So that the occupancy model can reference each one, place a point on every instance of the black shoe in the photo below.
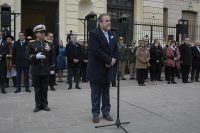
(52, 88)
(3, 92)
(55, 84)
(197, 80)
(168, 82)
(28, 90)
(77, 87)
(173, 82)
(123, 78)
(108, 117)
(160, 80)
(17, 90)
(36, 110)
(70, 87)
(47, 109)
(95, 119)
(132, 78)
(114, 84)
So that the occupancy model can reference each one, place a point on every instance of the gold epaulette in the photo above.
(49, 41)
(32, 41)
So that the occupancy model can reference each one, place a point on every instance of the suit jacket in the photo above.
(131, 54)
(18, 54)
(100, 53)
(73, 51)
(195, 57)
(122, 52)
(41, 67)
(4, 50)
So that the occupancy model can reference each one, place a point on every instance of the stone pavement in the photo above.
(159, 108)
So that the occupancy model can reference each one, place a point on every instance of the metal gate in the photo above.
(151, 31)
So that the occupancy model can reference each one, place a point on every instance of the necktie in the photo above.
(107, 37)
(21, 43)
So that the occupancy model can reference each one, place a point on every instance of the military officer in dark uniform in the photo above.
(3, 71)
(42, 59)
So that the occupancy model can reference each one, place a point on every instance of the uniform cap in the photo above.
(39, 28)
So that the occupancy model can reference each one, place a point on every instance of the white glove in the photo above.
(52, 72)
(40, 56)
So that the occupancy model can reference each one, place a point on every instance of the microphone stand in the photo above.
(117, 123)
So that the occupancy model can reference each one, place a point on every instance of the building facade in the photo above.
(61, 16)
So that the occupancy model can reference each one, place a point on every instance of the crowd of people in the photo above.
(177, 60)
(142, 59)
(43, 61)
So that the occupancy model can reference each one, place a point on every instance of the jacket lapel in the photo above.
(103, 36)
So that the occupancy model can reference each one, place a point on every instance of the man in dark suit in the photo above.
(69, 36)
(41, 54)
(4, 50)
(195, 62)
(102, 56)
(21, 62)
(73, 52)
(186, 59)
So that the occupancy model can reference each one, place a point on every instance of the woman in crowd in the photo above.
(156, 56)
(142, 62)
(11, 70)
(61, 65)
(172, 61)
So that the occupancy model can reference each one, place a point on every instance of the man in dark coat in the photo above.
(52, 77)
(186, 59)
(3, 71)
(102, 56)
(195, 62)
(122, 56)
(74, 58)
(21, 62)
(85, 61)
(131, 59)
(41, 54)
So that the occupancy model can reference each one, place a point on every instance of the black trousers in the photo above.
(167, 73)
(40, 84)
(73, 73)
(52, 80)
(84, 66)
(185, 70)
(172, 72)
(141, 75)
(195, 73)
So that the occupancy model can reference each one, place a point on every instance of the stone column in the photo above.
(62, 23)
(17, 9)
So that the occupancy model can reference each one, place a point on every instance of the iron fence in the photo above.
(163, 33)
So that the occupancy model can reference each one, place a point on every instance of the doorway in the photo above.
(36, 12)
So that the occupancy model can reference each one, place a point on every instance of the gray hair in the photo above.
(101, 16)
